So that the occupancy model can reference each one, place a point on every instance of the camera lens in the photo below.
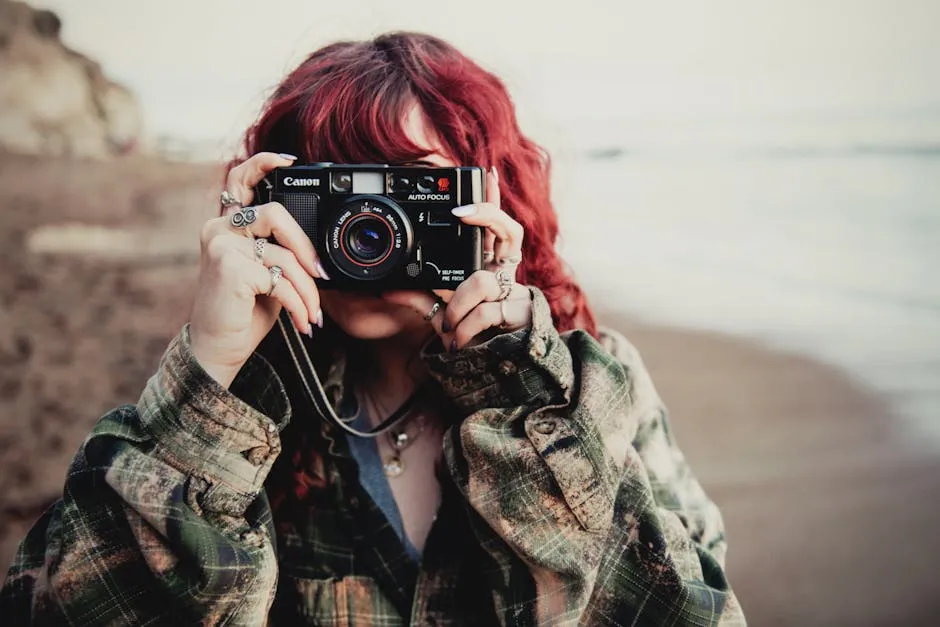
(342, 182)
(368, 239)
(426, 184)
(401, 184)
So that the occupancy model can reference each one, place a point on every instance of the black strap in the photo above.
(317, 396)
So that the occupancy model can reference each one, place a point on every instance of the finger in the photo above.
(480, 287)
(241, 179)
(275, 255)
(273, 220)
(508, 233)
(489, 247)
(492, 187)
(260, 278)
(420, 302)
(508, 315)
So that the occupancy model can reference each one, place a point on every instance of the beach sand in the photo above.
(831, 521)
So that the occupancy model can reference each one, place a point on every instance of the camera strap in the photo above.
(316, 394)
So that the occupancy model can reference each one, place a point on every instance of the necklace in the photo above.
(399, 438)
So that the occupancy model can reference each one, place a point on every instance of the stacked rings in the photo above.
(505, 280)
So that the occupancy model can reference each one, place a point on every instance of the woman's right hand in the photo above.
(231, 313)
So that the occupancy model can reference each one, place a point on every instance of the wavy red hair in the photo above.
(347, 103)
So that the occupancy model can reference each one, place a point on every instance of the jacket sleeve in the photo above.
(162, 515)
(576, 488)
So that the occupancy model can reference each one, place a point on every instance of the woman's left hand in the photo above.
(480, 302)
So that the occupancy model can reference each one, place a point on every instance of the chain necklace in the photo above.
(401, 437)
(404, 432)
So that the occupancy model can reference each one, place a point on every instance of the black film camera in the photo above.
(382, 227)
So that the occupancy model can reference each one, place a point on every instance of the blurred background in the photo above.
(749, 188)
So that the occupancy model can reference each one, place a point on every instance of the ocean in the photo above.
(818, 235)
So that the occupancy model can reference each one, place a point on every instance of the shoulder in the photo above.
(618, 346)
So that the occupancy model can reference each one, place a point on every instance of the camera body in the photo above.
(383, 227)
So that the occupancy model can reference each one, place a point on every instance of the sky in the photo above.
(201, 67)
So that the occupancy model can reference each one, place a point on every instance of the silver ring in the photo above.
(515, 260)
(488, 256)
(503, 324)
(505, 280)
(276, 273)
(436, 307)
(243, 217)
(260, 243)
(228, 199)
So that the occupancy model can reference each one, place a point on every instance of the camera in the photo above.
(383, 227)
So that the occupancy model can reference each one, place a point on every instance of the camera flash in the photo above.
(368, 183)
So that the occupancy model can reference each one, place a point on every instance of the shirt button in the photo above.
(258, 455)
(545, 427)
(538, 347)
(507, 368)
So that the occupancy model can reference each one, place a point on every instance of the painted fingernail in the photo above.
(453, 346)
(495, 173)
(445, 326)
(463, 212)
(309, 331)
(322, 272)
(289, 157)
(318, 319)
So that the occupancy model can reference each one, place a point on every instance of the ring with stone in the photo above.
(243, 217)
(488, 256)
(276, 273)
(505, 281)
(260, 243)
(228, 199)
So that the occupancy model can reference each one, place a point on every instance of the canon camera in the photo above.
(383, 227)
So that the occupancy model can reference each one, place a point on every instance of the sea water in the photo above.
(819, 235)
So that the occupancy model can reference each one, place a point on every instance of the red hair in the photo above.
(347, 103)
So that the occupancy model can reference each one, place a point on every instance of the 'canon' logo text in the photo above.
(292, 182)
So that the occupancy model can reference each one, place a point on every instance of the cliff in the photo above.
(54, 100)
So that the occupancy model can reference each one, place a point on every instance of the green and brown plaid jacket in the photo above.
(565, 501)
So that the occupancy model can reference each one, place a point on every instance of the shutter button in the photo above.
(545, 427)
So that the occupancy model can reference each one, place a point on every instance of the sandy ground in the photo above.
(831, 521)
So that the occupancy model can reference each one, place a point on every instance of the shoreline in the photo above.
(831, 514)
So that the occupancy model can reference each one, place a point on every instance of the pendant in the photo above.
(393, 466)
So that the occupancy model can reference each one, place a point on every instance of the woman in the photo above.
(529, 476)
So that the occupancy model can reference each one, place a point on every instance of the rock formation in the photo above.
(54, 100)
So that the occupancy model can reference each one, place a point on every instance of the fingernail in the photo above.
(463, 212)
(322, 272)
(495, 173)
(318, 319)
(453, 346)
(309, 331)
(284, 155)
(445, 326)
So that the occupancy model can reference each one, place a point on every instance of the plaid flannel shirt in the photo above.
(565, 501)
